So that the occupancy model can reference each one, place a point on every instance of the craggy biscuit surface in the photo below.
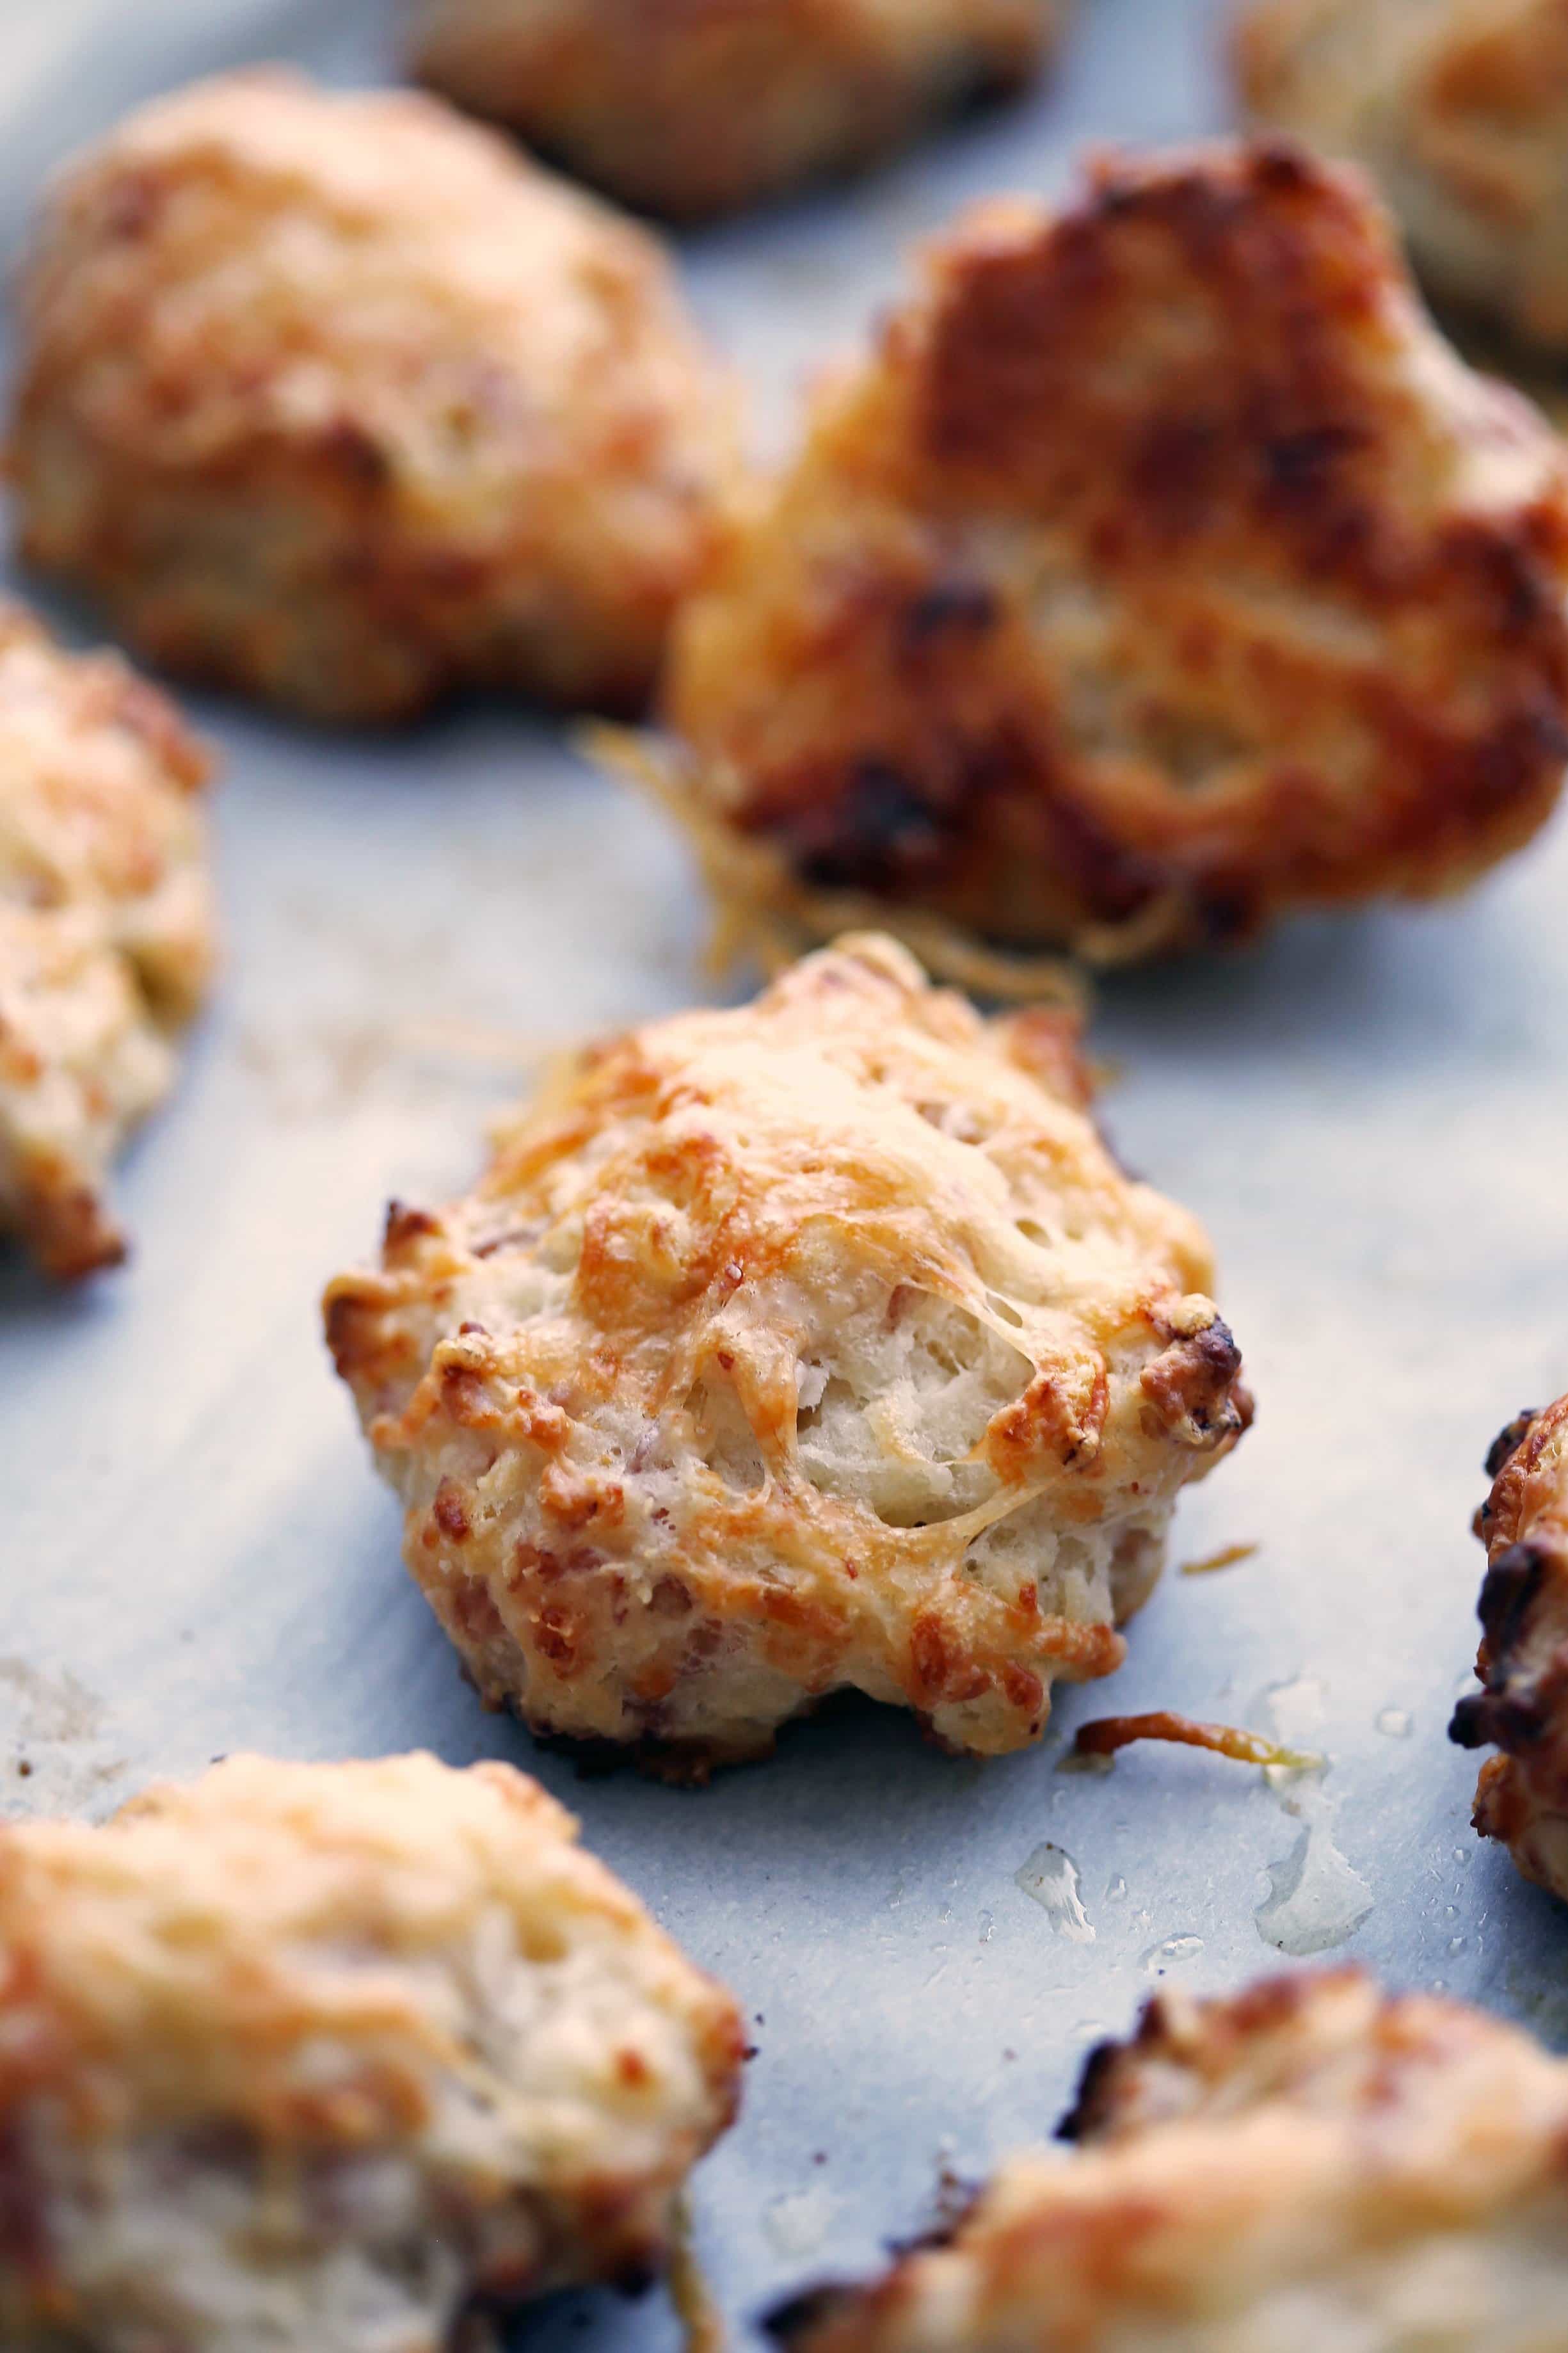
(1521, 1796)
(334, 397)
(1310, 2166)
(698, 106)
(1461, 109)
(106, 931)
(1161, 569)
(308, 2056)
(818, 1344)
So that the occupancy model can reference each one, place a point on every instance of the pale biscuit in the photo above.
(107, 932)
(315, 2055)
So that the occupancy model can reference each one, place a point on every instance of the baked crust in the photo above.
(814, 1344)
(106, 931)
(1521, 1796)
(335, 398)
(315, 2054)
(1161, 570)
(1460, 109)
(1310, 2165)
(697, 107)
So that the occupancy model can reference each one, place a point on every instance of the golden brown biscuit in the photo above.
(335, 398)
(814, 1344)
(106, 931)
(310, 2056)
(1461, 109)
(1161, 570)
(1310, 2167)
(1521, 1796)
(687, 107)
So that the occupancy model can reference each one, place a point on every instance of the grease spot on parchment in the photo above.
(328, 1069)
(1316, 1898)
(1169, 1953)
(47, 1706)
(52, 1731)
(1050, 1879)
(798, 2221)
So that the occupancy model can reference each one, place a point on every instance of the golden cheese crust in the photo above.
(313, 2055)
(1521, 1796)
(1161, 570)
(1310, 2166)
(693, 106)
(106, 931)
(334, 398)
(818, 1344)
(1461, 109)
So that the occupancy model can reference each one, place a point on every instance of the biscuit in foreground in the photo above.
(314, 2056)
(688, 111)
(107, 932)
(1521, 1796)
(1459, 107)
(335, 398)
(820, 1344)
(1312, 2163)
(1161, 570)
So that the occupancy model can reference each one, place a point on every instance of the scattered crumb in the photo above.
(1111, 1733)
(1228, 1557)
(694, 2303)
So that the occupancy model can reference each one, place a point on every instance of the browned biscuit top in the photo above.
(1162, 568)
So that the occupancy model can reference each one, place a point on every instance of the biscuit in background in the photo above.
(1159, 571)
(1459, 107)
(336, 399)
(107, 932)
(689, 111)
(1309, 2165)
(317, 2055)
(1521, 1796)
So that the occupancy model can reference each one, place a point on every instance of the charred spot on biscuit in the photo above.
(1521, 1709)
(809, 2309)
(1509, 1440)
(1510, 1586)
(1512, 1712)
(878, 835)
(1095, 2097)
(962, 607)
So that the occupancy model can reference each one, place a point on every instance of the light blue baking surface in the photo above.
(1370, 1114)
